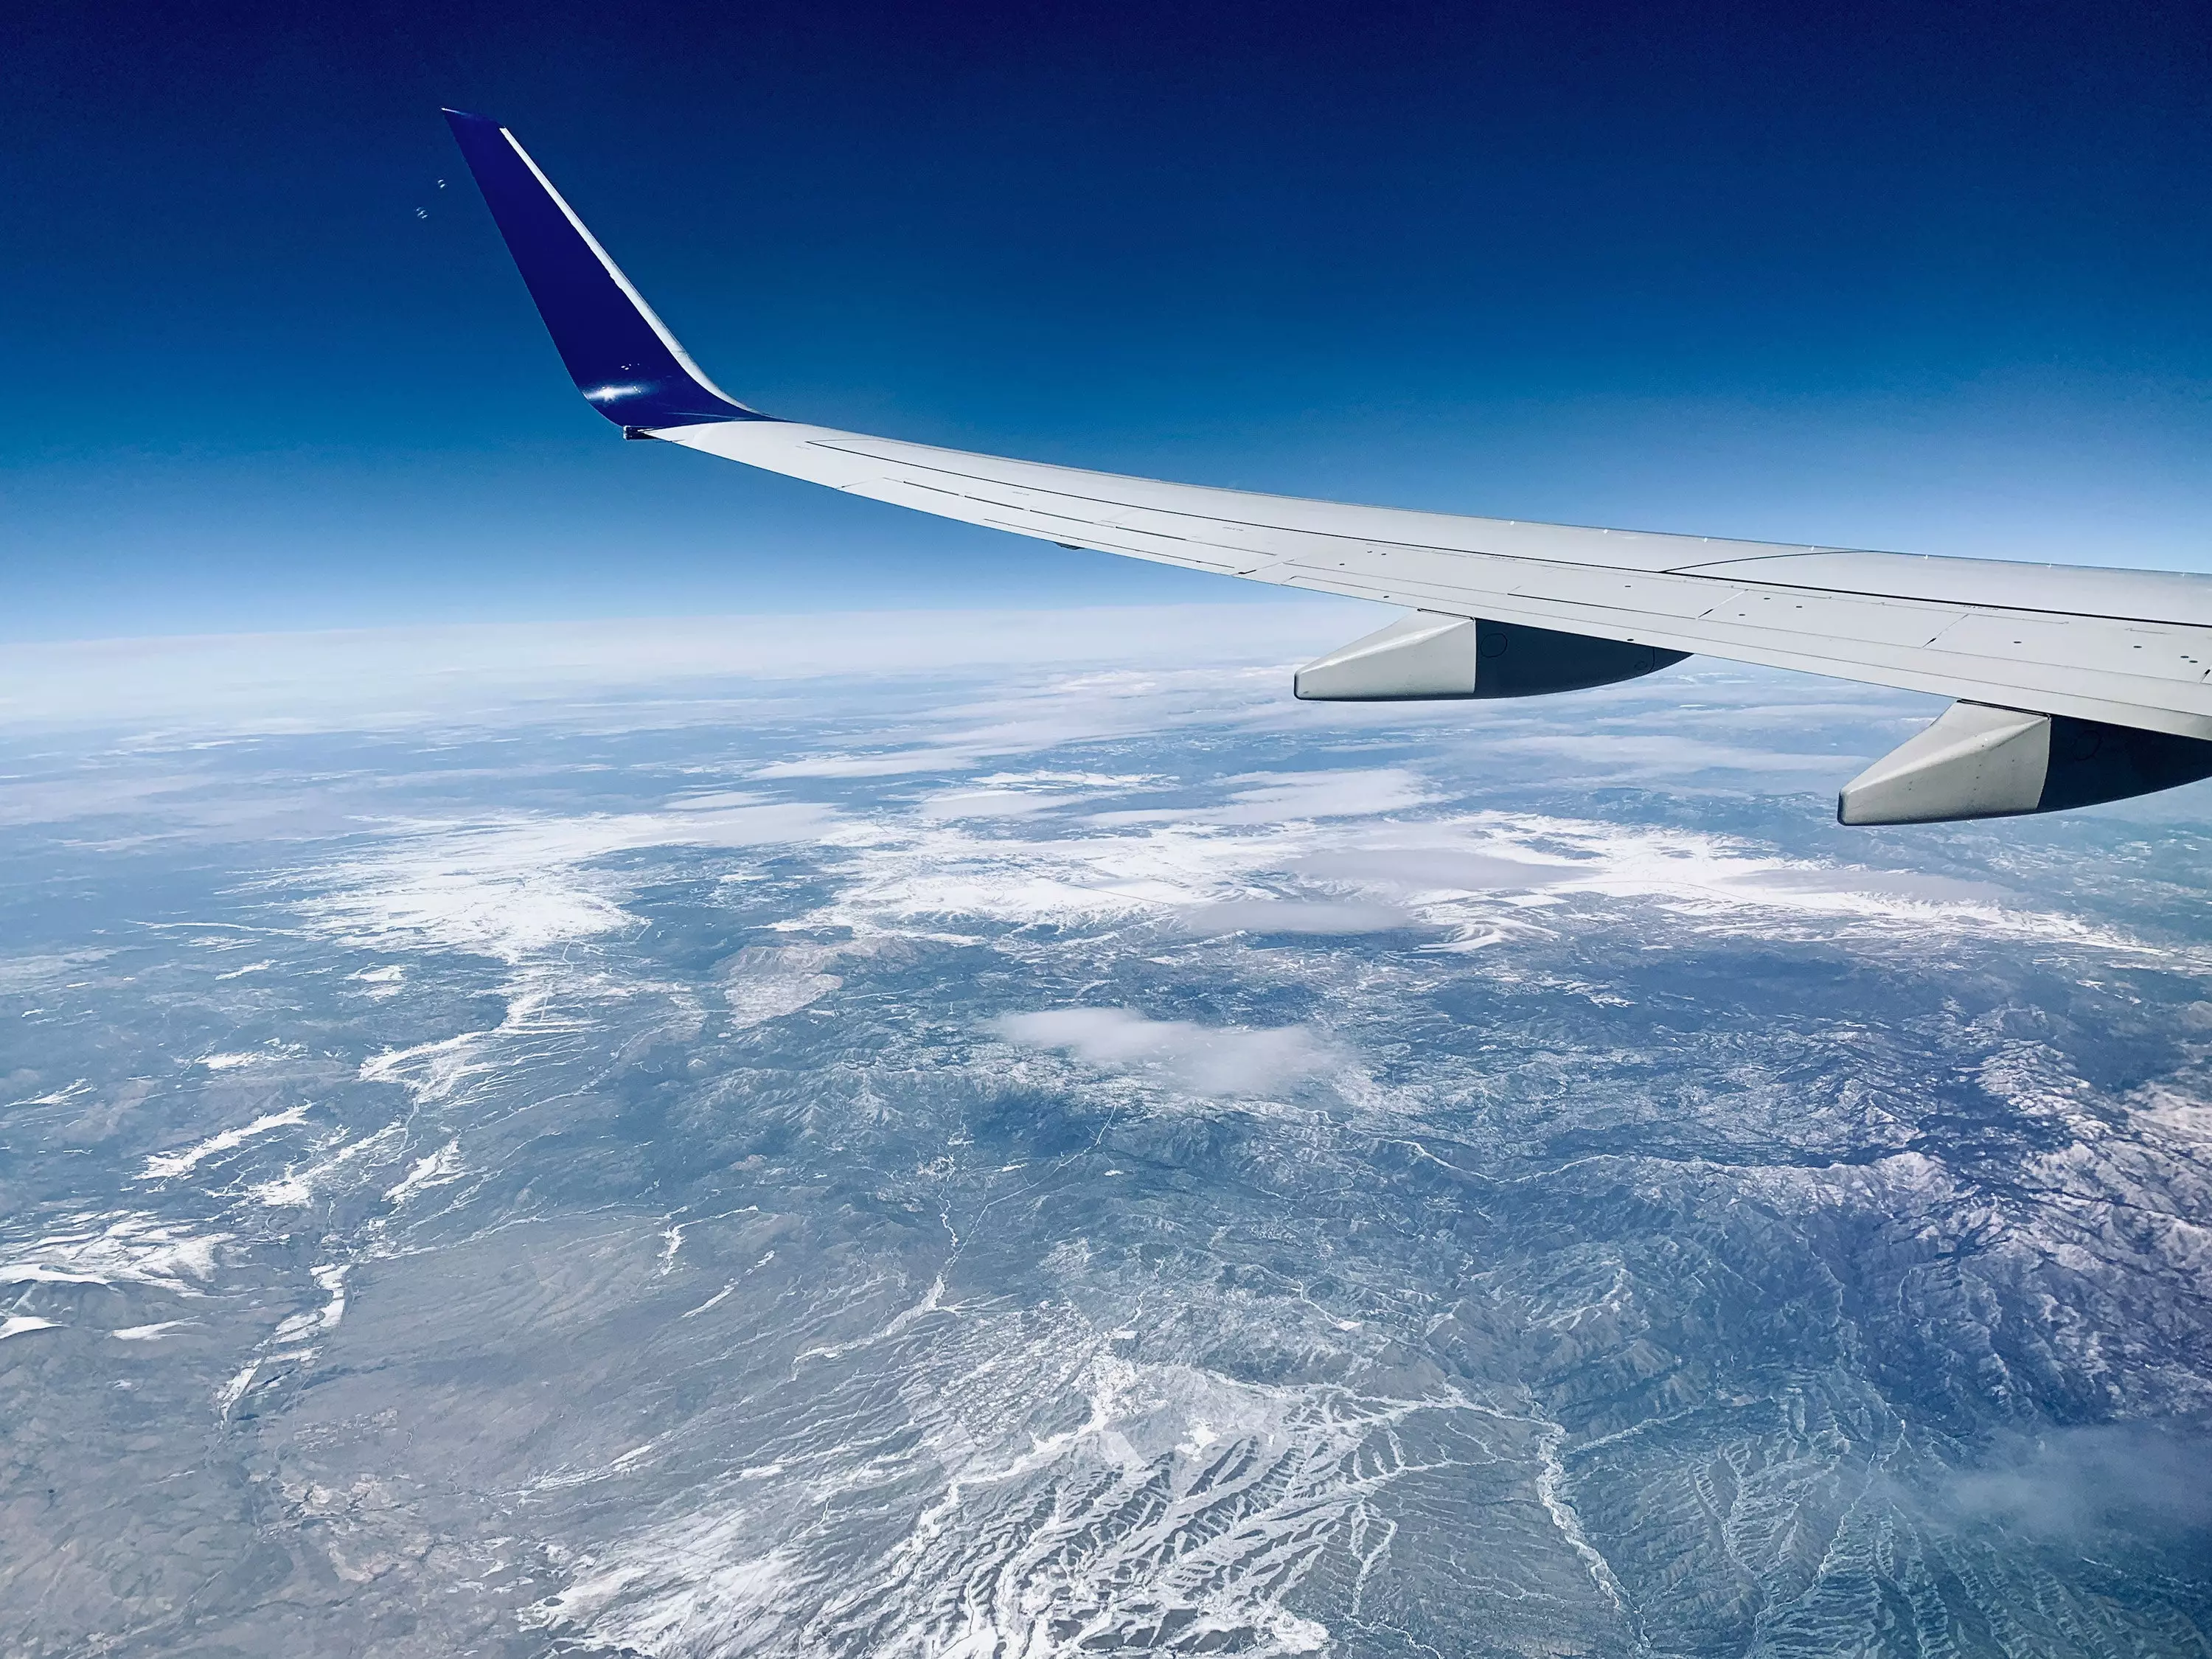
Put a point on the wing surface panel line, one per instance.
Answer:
(1704, 570)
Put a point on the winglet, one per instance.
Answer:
(622, 358)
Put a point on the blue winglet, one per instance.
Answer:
(622, 358)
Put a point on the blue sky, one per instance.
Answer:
(1921, 276)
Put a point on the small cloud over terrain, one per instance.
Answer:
(1223, 1060)
(2071, 1484)
(1289, 797)
(1313, 916)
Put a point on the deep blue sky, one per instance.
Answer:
(1927, 276)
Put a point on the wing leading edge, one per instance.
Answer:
(2110, 669)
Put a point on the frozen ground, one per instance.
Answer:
(1062, 1158)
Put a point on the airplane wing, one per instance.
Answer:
(2073, 685)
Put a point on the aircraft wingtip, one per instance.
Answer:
(620, 355)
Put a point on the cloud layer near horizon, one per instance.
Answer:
(392, 676)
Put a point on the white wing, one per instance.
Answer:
(2101, 680)
(2132, 648)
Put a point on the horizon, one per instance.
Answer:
(617, 1054)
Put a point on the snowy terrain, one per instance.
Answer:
(1053, 1157)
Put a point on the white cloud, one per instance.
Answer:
(380, 678)
(1222, 1059)
(716, 801)
(1030, 794)
(1620, 755)
(891, 764)
(1288, 797)
(1437, 868)
(516, 887)
(1025, 719)
(1268, 916)
(1484, 875)
(993, 804)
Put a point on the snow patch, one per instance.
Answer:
(122, 1249)
(318, 1320)
(166, 1165)
(440, 1167)
(152, 1332)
